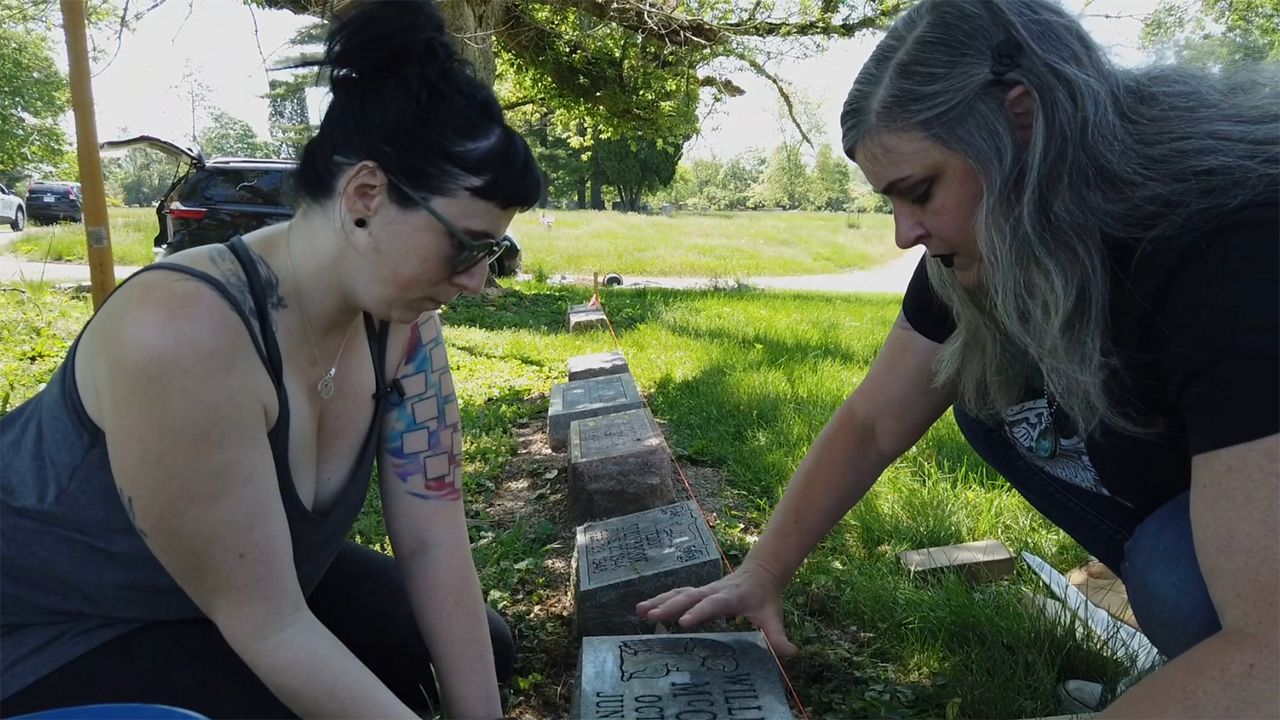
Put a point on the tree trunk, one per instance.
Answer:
(582, 192)
(472, 23)
(597, 182)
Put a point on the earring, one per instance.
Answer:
(361, 222)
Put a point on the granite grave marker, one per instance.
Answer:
(695, 676)
(624, 560)
(585, 399)
(618, 464)
(586, 317)
(585, 367)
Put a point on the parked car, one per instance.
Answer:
(54, 201)
(212, 201)
(12, 209)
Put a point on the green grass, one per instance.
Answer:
(724, 245)
(721, 245)
(743, 380)
(132, 232)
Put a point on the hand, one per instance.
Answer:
(752, 591)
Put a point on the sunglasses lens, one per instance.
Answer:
(482, 251)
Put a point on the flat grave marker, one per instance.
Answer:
(586, 317)
(623, 560)
(585, 367)
(695, 676)
(586, 399)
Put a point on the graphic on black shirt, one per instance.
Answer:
(1071, 464)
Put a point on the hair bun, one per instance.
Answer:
(387, 41)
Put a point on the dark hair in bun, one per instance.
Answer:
(405, 99)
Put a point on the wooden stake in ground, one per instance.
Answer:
(102, 275)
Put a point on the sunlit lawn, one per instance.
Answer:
(724, 245)
(133, 230)
(721, 245)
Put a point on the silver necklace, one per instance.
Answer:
(326, 385)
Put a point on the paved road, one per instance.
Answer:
(889, 278)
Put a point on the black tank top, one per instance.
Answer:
(73, 571)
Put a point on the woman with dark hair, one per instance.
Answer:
(177, 499)
(1101, 305)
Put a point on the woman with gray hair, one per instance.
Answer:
(1101, 305)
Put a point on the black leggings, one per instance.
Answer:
(187, 664)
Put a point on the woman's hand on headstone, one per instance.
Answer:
(751, 591)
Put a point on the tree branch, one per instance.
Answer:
(782, 92)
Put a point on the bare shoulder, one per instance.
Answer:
(166, 330)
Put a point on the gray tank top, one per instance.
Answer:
(73, 571)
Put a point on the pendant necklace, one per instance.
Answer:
(326, 385)
(1046, 442)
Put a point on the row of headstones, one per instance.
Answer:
(635, 541)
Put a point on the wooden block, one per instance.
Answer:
(979, 561)
(1105, 590)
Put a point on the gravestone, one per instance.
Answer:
(586, 317)
(585, 399)
(626, 559)
(696, 676)
(618, 464)
(585, 367)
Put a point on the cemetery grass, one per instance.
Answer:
(724, 245)
(742, 381)
(133, 231)
(719, 245)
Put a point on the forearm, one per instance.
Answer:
(314, 674)
(450, 609)
(1229, 675)
(840, 467)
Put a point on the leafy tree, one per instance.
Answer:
(140, 176)
(35, 98)
(865, 199)
(783, 183)
(742, 173)
(1215, 33)
(229, 136)
(633, 69)
(829, 182)
(635, 168)
(287, 114)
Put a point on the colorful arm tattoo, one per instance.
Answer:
(422, 436)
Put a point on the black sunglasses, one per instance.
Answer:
(472, 251)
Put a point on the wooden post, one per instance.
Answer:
(102, 276)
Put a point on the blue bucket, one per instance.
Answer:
(114, 711)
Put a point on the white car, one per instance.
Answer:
(12, 209)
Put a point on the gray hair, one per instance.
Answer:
(1133, 156)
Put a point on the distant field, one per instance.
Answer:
(722, 245)
(132, 232)
(725, 245)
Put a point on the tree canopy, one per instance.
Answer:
(1215, 33)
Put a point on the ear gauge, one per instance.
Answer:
(361, 222)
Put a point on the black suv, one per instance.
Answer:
(214, 200)
(54, 201)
